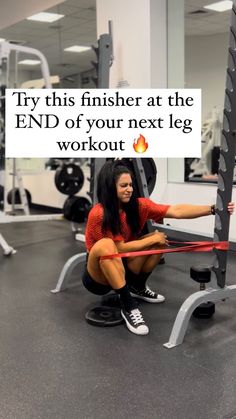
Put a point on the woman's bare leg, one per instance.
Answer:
(145, 263)
(139, 270)
(109, 271)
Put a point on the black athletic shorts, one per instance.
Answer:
(93, 286)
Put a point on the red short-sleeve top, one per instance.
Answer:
(148, 210)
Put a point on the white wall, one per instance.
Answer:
(205, 68)
(131, 47)
(175, 44)
(138, 61)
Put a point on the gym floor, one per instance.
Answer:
(55, 365)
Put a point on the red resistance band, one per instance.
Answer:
(190, 247)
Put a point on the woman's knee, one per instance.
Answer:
(108, 247)
(104, 247)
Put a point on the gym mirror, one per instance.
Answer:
(206, 54)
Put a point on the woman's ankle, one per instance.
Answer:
(127, 301)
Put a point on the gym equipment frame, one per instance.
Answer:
(105, 59)
(5, 50)
(217, 289)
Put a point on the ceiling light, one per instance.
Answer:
(45, 17)
(2, 39)
(220, 6)
(29, 62)
(77, 48)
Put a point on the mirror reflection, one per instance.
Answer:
(64, 35)
(206, 56)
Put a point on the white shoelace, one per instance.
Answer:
(150, 292)
(136, 316)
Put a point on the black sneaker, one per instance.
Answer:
(134, 321)
(147, 295)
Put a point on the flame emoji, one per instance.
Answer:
(140, 146)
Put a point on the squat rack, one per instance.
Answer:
(217, 289)
(6, 49)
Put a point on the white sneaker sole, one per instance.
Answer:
(160, 298)
(141, 330)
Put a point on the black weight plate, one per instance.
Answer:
(68, 208)
(69, 179)
(76, 209)
(204, 311)
(1, 193)
(201, 273)
(104, 316)
(14, 195)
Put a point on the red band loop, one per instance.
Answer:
(191, 247)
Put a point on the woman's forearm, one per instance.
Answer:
(188, 211)
(141, 244)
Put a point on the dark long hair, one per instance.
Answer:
(107, 197)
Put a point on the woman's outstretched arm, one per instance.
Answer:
(181, 211)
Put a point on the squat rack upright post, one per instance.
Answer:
(217, 290)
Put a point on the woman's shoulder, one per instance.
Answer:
(146, 204)
(143, 202)
(96, 211)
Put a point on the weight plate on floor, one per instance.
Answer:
(111, 300)
(104, 316)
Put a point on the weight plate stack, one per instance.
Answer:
(76, 209)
